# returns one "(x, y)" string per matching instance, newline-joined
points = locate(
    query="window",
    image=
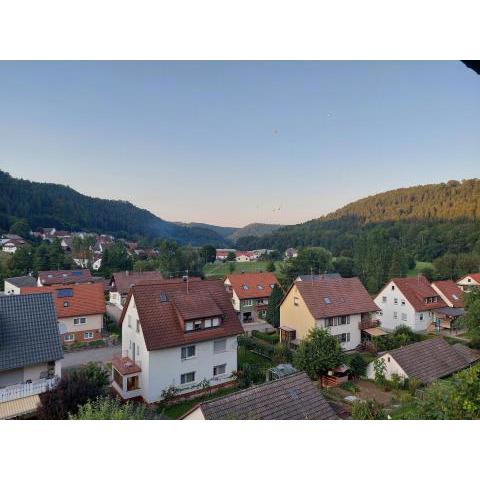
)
(403, 301)
(421, 316)
(455, 297)
(69, 337)
(219, 346)
(388, 359)
(188, 352)
(130, 321)
(66, 304)
(79, 321)
(219, 369)
(88, 335)
(395, 315)
(138, 326)
(248, 302)
(393, 287)
(197, 325)
(245, 287)
(295, 301)
(187, 377)
(188, 326)
(138, 350)
(215, 322)
(395, 301)
(208, 323)
(404, 317)
(343, 337)
(384, 299)
(260, 287)
(327, 300)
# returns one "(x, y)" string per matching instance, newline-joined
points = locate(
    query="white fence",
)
(21, 390)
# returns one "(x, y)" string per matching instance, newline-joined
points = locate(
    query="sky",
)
(231, 143)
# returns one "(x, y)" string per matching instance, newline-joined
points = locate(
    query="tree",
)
(273, 311)
(428, 272)
(344, 266)
(73, 390)
(358, 365)
(472, 316)
(208, 253)
(231, 267)
(21, 227)
(108, 408)
(231, 257)
(318, 353)
(115, 259)
(314, 260)
(368, 410)
(271, 266)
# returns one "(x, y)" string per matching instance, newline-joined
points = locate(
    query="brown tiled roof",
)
(330, 297)
(466, 352)
(432, 359)
(56, 277)
(162, 319)
(257, 284)
(124, 365)
(294, 397)
(122, 281)
(450, 291)
(82, 299)
(416, 290)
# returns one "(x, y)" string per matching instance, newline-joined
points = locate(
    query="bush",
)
(350, 387)
(255, 345)
(248, 375)
(281, 354)
(368, 410)
(107, 408)
(272, 338)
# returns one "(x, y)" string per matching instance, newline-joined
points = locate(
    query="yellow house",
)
(339, 305)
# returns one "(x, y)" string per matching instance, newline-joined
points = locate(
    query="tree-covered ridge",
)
(445, 201)
(52, 205)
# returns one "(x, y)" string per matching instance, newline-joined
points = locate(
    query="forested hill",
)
(52, 205)
(427, 221)
(445, 201)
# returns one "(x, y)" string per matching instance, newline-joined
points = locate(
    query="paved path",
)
(104, 355)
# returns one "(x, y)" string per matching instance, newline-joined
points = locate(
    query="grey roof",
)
(432, 359)
(25, 281)
(294, 397)
(451, 311)
(283, 369)
(309, 278)
(469, 354)
(28, 331)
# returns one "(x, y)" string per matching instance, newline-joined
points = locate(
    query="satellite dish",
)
(62, 328)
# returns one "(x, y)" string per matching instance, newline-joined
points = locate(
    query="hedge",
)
(256, 345)
(267, 337)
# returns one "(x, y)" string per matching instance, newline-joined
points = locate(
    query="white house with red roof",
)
(469, 281)
(408, 301)
(250, 293)
(176, 334)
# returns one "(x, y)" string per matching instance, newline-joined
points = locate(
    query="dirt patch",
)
(371, 391)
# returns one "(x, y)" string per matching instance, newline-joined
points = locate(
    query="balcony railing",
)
(21, 390)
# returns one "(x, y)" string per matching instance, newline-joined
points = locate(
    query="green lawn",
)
(418, 267)
(220, 270)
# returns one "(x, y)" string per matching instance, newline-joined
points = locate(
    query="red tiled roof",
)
(257, 284)
(55, 277)
(122, 281)
(449, 290)
(331, 297)
(474, 276)
(162, 321)
(416, 290)
(83, 299)
(124, 365)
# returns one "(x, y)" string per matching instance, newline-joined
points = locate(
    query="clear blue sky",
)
(237, 142)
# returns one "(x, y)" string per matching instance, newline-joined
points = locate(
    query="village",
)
(234, 346)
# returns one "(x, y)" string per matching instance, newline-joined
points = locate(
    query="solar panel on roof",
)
(76, 273)
(65, 292)
(163, 297)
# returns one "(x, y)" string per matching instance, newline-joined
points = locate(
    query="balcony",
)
(368, 323)
(126, 378)
(21, 390)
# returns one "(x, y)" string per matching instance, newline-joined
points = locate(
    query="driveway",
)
(102, 354)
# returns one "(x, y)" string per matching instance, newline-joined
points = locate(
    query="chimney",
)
(126, 273)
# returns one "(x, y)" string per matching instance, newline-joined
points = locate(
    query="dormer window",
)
(260, 287)
(66, 304)
(188, 326)
(215, 322)
(197, 325)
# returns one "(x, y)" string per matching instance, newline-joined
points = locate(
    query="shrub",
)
(256, 345)
(379, 368)
(350, 387)
(107, 408)
(281, 354)
(368, 410)
(272, 338)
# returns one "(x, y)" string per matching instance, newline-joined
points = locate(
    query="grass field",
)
(418, 267)
(220, 270)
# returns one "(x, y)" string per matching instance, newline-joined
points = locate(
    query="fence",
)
(22, 390)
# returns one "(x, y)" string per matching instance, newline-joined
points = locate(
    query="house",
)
(250, 293)
(97, 262)
(408, 301)
(80, 309)
(291, 253)
(448, 317)
(293, 397)
(340, 305)
(245, 256)
(427, 361)
(30, 352)
(176, 334)
(64, 277)
(121, 282)
(469, 281)
(13, 285)
(449, 292)
(11, 246)
(222, 254)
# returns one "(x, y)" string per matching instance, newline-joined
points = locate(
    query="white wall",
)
(467, 282)
(94, 322)
(115, 298)
(197, 414)
(417, 321)
(352, 328)
(11, 289)
(391, 366)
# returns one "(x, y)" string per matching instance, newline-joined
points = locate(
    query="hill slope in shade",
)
(52, 205)
(255, 230)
